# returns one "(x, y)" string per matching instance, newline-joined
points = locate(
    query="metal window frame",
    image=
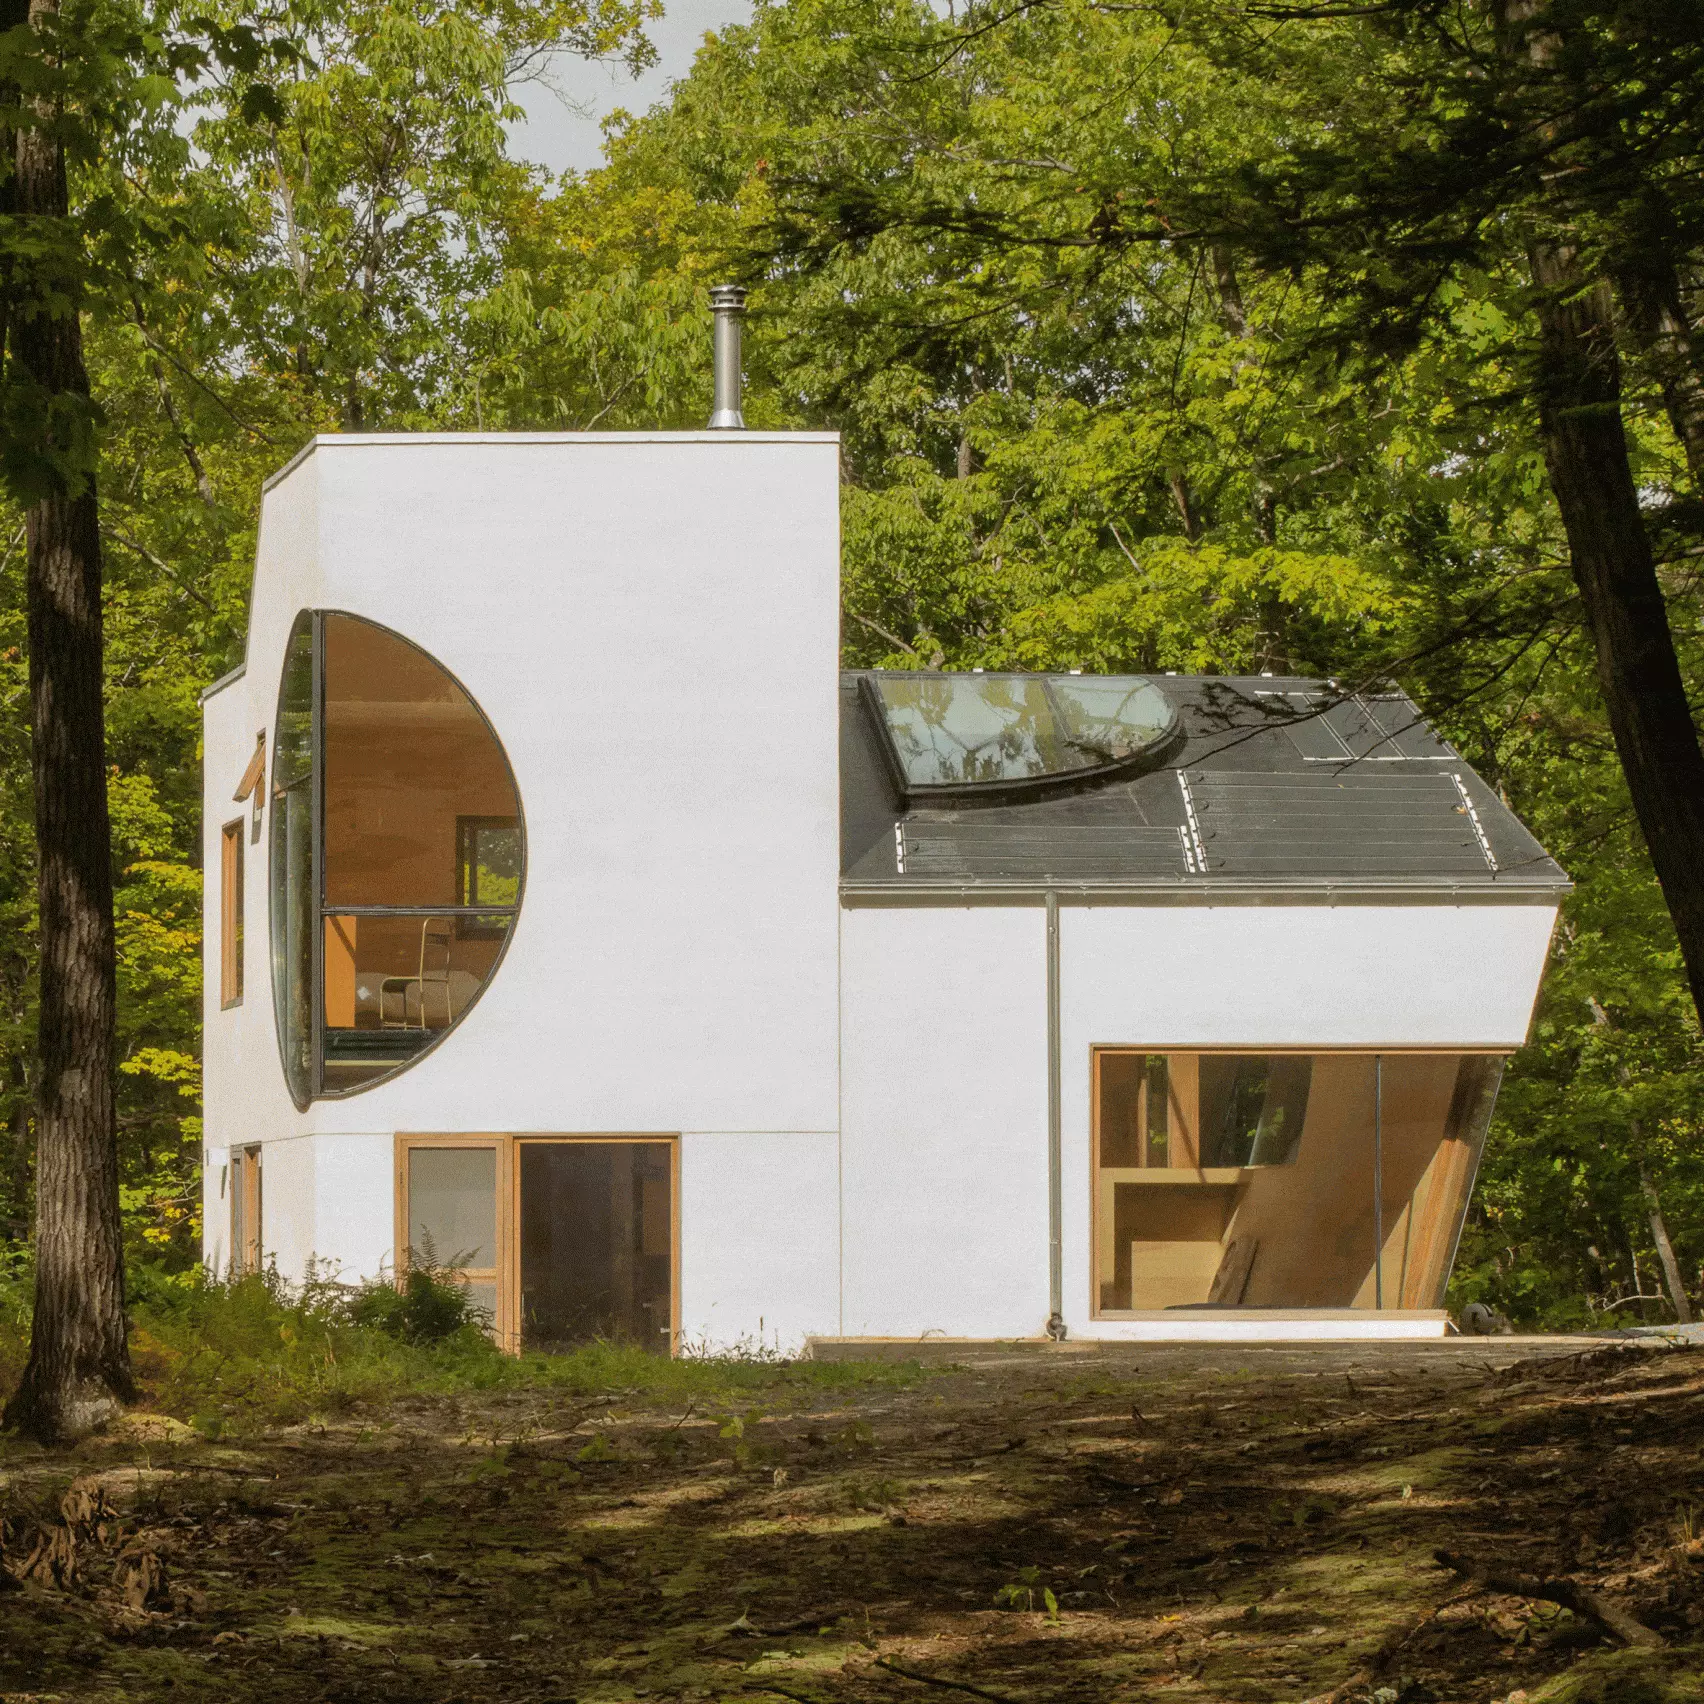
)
(319, 902)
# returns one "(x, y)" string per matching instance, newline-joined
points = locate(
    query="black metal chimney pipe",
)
(728, 301)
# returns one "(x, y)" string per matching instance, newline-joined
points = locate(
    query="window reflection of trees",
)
(970, 730)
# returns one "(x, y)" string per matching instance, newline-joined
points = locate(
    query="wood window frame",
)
(248, 1233)
(232, 878)
(506, 1275)
(1211, 1175)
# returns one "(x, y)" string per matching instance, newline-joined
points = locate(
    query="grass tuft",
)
(252, 1353)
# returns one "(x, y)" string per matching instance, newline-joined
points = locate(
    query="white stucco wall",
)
(861, 1095)
(944, 1122)
(759, 1239)
(944, 1064)
(651, 624)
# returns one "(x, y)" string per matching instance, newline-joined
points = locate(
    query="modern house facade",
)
(576, 922)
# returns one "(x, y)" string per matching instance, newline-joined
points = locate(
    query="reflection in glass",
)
(1252, 1108)
(956, 730)
(1280, 1210)
(1112, 717)
(452, 1207)
(291, 866)
(597, 1243)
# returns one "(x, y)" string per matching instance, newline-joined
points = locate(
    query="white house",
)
(574, 917)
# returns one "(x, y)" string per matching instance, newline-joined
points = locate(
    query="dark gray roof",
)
(1269, 786)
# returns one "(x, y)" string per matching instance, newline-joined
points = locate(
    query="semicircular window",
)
(977, 730)
(398, 854)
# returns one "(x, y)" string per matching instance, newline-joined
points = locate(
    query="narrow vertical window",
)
(231, 914)
(246, 1251)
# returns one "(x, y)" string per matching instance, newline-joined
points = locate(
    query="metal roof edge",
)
(402, 440)
(224, 680)
(1196, 892)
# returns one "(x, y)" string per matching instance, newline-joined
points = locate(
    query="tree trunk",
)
(1665, 1249)
(1578, 388)
(1585, 452)
(79, 1363)
(1655, 315)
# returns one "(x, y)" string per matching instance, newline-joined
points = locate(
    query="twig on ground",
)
(1570, 1594)
(1381, 1658)
(940, 1680)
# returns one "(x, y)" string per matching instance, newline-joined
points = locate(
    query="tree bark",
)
(1655, 315)
(1585, 451)
(1665, 1249)
(1578, 391)
(79, 1362)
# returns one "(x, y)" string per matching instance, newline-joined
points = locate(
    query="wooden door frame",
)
(504, 1327)
(507, 1326)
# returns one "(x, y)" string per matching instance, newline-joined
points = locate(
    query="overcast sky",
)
(559, 132)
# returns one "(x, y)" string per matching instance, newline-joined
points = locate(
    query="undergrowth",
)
(253, 1352)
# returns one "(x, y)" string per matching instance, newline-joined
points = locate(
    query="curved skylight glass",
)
(398, 854)
(974, 730)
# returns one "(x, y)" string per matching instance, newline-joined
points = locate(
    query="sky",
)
(561, 128)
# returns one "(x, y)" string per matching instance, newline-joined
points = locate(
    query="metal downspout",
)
(1055, 1163)
(1378, 1180)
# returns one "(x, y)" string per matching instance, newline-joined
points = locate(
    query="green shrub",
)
(430, 1307)
(251, 1352)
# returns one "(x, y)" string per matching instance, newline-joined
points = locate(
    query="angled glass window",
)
(1329, 1180)
(408, 858)
(291, 865)
(975, 730)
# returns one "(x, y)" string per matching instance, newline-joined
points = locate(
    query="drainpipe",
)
(1378, 1180)
(1055, 1164)
(728, 303)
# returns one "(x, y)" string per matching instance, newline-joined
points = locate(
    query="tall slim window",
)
(231, 914)
(247, 1252)
(398, 854)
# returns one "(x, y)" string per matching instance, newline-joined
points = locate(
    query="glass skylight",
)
(971, 730)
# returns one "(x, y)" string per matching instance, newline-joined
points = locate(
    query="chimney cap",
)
(729, 302)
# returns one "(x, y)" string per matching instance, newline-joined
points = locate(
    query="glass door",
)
(597, 1242)
(449, 1191)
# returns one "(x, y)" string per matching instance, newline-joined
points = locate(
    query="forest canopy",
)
(1179, 337)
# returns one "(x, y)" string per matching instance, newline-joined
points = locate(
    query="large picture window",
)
(1283, 1180)
(397, 856)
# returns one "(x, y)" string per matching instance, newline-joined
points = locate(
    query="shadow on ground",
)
(1106, 1524)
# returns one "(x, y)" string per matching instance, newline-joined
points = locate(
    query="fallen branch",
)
(745, 1628)
(1381, 1659)
(1568, 1593)
(939, 1680)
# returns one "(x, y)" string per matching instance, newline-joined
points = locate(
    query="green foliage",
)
(429, 1306)
(254, 1352)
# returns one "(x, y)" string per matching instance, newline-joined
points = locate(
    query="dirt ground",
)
(1081, 1524)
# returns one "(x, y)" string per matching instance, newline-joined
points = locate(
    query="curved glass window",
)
(398, 854)
(974, 730)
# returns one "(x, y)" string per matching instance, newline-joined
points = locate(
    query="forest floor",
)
(1088, 1523)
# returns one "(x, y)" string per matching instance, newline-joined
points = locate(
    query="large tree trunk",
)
(1655, 313)
(1578, 388)
(1585, 452)
(79, 1363)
